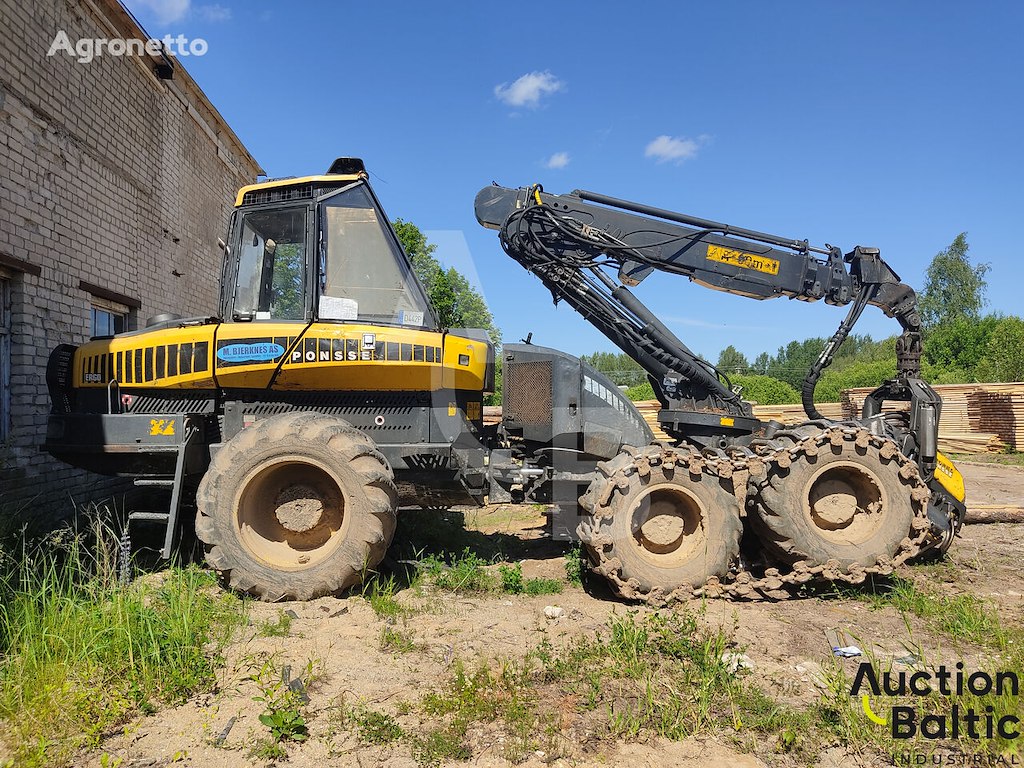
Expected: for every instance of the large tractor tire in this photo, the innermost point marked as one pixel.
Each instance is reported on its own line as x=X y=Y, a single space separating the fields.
x=658 y=525
x=295 y=507
x=845 y=502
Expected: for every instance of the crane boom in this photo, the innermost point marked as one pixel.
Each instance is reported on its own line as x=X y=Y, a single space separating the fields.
x=588 y=249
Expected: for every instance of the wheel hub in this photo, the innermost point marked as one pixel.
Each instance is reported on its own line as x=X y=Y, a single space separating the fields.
x=833 y=503
x=299 y=508
x=844 y=501
x=291 y=514
x=668 y=525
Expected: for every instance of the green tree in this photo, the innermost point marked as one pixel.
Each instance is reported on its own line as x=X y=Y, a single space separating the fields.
x=792 y=361
x=641 y=392
x=953 y=286
x=861 y=374
x=953 y=349
x=288 y=281
x=731 y=360
x=623 y=370
x=1004 y=354
x=457 y=303
x=764 y=390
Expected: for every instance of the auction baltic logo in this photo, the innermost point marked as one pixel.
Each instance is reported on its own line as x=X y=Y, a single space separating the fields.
x=89 y=48
x=960 y=722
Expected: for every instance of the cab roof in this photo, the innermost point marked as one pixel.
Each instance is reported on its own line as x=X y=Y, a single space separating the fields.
x=343 y=170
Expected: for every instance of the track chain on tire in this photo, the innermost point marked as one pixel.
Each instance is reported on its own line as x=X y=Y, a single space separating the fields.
x=747 y=469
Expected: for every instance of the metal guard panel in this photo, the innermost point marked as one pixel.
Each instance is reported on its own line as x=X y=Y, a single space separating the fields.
x=167 y=357
x=707 y=423
x=119 y=432
x=123 y=445
x=949 y=477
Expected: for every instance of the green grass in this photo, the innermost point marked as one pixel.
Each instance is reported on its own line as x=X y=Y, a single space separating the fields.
x=513 y=583
x=83 y=654
x=438 y=745
x=961 y=617
x=469 y=573
x=379 y=592
x=396 y=640
x=969 y=623
x=465 y=573
x=575 y=565
x=375 y=727
x=482 y=696
x=663 y=675
x=280 y=627
x=284 y=699
x=541 y=586
x=658 y=675
x=1010 y=458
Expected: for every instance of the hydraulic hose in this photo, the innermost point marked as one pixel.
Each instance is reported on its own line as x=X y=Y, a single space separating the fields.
x=831 y=347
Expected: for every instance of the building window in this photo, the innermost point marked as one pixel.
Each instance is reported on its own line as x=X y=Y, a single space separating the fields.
x=108 y=320
x=5 y=357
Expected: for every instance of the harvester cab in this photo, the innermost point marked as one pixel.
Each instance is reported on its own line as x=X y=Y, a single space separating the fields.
x=358 y=271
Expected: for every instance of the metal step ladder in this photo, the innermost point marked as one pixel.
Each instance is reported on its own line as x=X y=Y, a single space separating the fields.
x=175 y=483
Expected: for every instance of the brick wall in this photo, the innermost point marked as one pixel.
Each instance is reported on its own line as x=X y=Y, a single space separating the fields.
x=111 y=177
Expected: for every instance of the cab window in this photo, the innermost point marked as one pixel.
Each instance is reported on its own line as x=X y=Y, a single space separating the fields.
x=365 y=276
x=272 y=265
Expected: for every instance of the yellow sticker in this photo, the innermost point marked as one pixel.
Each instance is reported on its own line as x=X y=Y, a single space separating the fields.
x=452 y=409
x=744 y=260
x=727 y=421
x=161 y=427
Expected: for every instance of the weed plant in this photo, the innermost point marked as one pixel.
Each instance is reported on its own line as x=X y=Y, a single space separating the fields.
x=81 y=654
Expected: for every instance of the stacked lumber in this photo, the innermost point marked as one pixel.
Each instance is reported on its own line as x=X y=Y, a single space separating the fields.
x=971 y=422
x=492 y=414
x=999 y=408
x=791 y=414
x=649 y=410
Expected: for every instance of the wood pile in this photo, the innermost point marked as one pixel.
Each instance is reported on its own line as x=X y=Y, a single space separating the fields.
x=999 y=408
x=976 y=418
x=649 y=410
x=790 y=414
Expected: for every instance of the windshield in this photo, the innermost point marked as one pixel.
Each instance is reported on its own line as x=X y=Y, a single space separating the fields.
x=272 y=265
x=364 y=273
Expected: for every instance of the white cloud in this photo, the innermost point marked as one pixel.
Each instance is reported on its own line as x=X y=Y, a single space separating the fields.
x=557 y=160
x=214 y=13
x=675 y=149
x=528 y=90
x=165 y=11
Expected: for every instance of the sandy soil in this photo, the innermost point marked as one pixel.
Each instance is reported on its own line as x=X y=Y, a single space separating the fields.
x=787 y=641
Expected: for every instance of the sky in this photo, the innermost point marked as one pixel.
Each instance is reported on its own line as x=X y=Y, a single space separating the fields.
x=892 y=125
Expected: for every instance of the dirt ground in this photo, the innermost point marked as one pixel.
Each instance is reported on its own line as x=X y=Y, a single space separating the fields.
x=787 y=641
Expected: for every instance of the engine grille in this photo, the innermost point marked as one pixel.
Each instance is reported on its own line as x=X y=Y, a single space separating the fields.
x=527 y=393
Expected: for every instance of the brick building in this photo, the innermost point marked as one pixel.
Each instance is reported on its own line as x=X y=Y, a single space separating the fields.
x=115 y=184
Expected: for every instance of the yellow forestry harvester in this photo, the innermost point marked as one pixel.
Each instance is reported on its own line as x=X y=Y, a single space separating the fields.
x=324 y=394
